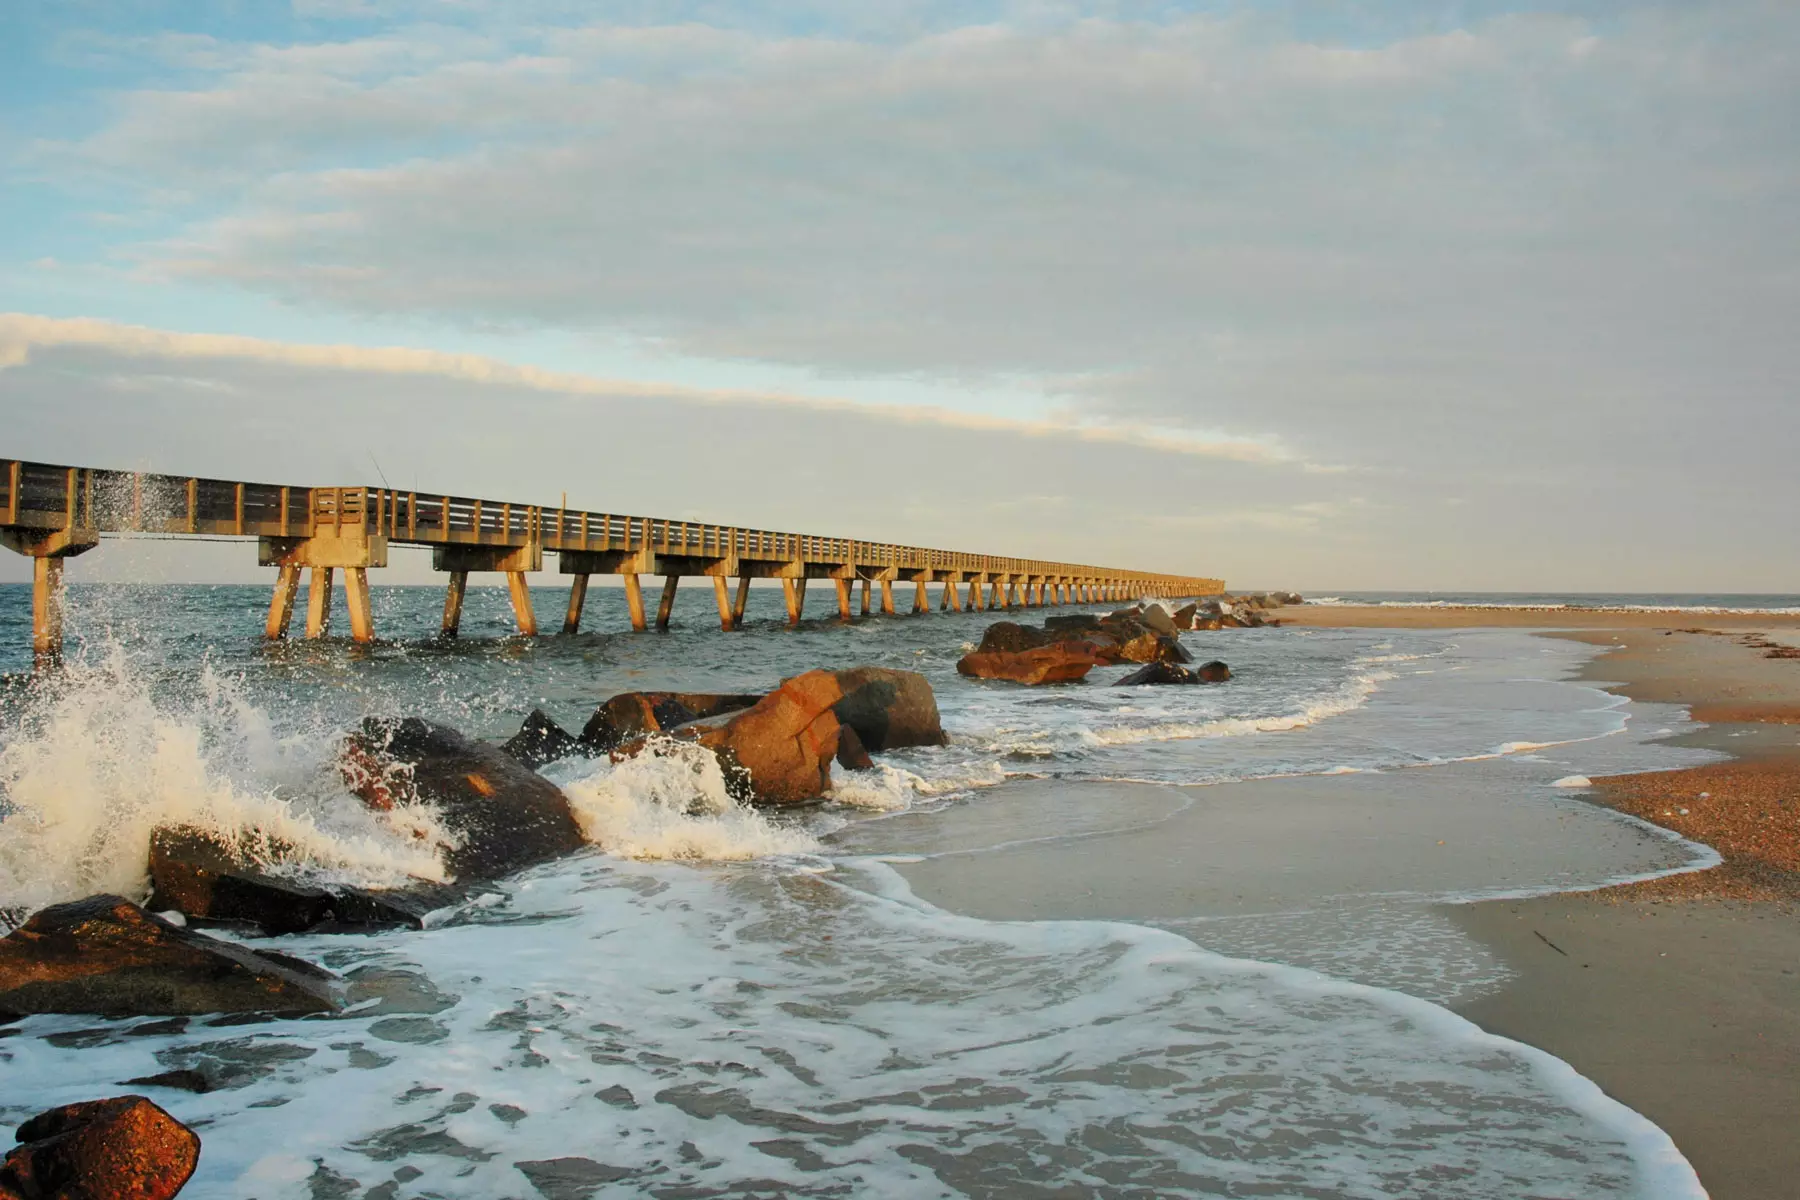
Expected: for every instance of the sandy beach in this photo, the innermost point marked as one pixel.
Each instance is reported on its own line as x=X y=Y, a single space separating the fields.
x=1679 y=996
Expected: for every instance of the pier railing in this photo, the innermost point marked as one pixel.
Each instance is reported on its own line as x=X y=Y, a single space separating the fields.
x=51 y=511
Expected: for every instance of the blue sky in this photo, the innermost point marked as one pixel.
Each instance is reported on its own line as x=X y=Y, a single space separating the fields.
x=1358 y=295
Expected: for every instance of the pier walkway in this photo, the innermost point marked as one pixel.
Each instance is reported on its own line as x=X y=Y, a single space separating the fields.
x=53 y=512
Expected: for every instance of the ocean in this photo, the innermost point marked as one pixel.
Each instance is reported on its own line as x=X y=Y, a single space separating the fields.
x=714 y=1001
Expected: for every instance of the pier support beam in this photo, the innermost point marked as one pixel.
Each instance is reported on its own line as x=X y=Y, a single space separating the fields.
x=512 y=561
x=281 y=604
x=634 y=601
x=867 y=588
x=975 y=595
x=951 y=595
x=921 y=601
x=794 y=592
x=665 y=607
x=843 y=598
x=722 y=599
x=453 y=603
x=887 y=596
x=740 y=602
x=47 y=550
x=318 y=602
x=578 y=586
x=356 y=597
x=520 y=593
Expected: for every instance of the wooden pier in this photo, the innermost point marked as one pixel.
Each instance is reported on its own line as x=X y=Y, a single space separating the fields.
x=51 y=512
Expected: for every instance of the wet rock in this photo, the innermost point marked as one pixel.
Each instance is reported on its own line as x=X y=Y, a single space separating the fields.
x=852 y=755
x=123 y=1148
x=106 y=955
x=1010 y=637
x=1166 y=672
x=1064 y=662
x=778 y=751
x=632 y=715
x=1184 y=616
x=889 y=709
x=541 y=740
x=505 y=816
x=1072 y=623
x=1157 y=619
x=210 y=877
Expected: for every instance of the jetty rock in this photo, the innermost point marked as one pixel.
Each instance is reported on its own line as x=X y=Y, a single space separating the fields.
x=210 y=876
x=778 y=751
x=1061 y=662
x=889 y=709
x=541 y=740
x=629 y=716
x=122 y=1148
x=505 y=815
x=1165 y=672
x=1184 y=616
x=105 y=955
x=1010 y=637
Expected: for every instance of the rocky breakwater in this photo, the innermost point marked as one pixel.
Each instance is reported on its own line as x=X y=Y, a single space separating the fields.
x=121 y=1148
x=1234 y=612
x=1065 y=648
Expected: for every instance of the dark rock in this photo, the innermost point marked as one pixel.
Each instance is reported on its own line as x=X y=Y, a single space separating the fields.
x=208 y=877
x=889 y=709
x=632 y=715
x=1077 y=623
x=541 y=740
x=1166 y=672
x=123 y=1148
x=106 y=955
x=185 y=1079
x=1009 y=637
x=505 y=815
x=852 y=755
x=1064 y=662
x=1184 y=616
x=779 y=750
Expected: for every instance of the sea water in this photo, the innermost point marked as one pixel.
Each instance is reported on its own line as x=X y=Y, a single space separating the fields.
x=713 y=1001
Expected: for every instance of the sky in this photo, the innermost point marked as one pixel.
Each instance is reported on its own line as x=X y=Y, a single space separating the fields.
x=1329 y=295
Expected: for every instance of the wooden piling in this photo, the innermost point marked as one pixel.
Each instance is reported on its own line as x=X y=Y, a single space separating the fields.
x=356 y=599
x=318 y=602
x=794 y=592
x=843 y=598
x=722 y=597
x=740 y=602
x=578 y=586
x=921 y=601
x=281 y=604
x=665 y=607
x=975 y=595
x=453 y=603
x=634 y=601
x=46 y=608
x=867 y=588
x=887 y=597
x=520 y=592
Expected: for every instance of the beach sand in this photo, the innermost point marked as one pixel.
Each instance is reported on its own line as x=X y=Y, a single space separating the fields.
x=1679 y=996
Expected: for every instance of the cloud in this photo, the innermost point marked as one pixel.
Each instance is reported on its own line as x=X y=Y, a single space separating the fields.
x=21 y=332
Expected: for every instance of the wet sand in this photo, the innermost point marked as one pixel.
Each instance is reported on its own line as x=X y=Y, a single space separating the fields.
x=1369 y=616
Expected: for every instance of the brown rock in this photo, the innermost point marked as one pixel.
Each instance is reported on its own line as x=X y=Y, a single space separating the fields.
x=1064 y=662
x=541 y=740
x=505 y=815
x=1009 y=637
x=632 y=715
x=889 y=709
x=123 y=1148
x=106 y=955
x=779 y=750
x=1184 y=616
x=852 y=755
x=209 y=877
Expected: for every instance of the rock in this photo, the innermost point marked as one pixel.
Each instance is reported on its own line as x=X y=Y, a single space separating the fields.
x=889 y=709
x=123 y=1148
x=1157 y=618
x=106 y=955
x=779 y=750
x=1184 y=616
x=1213 y=671
x=505 y=815
x=1147 y=646
x=632 y=715
x=1076 y=623
x=852 y=755
x=1207 y=624
x=1064 y=662
x=1167 y=672
x=541 y=740
x=209 y=877
x=1009 y=637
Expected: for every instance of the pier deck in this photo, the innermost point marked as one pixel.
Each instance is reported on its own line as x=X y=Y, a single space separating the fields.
x=52 y=512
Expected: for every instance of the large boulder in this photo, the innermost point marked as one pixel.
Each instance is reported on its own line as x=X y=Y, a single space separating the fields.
x=1158 y=619
x=123 y=1148
x=212 y=877
x=504 y=815
x=778 y=751
x=1009 y=637
x=1184 y=616
x=1167 y=672
x=1072 y=624
x=630 y=716
x=1063 y=662
x=541 y=740
x=889 y=709
x=106 y=955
